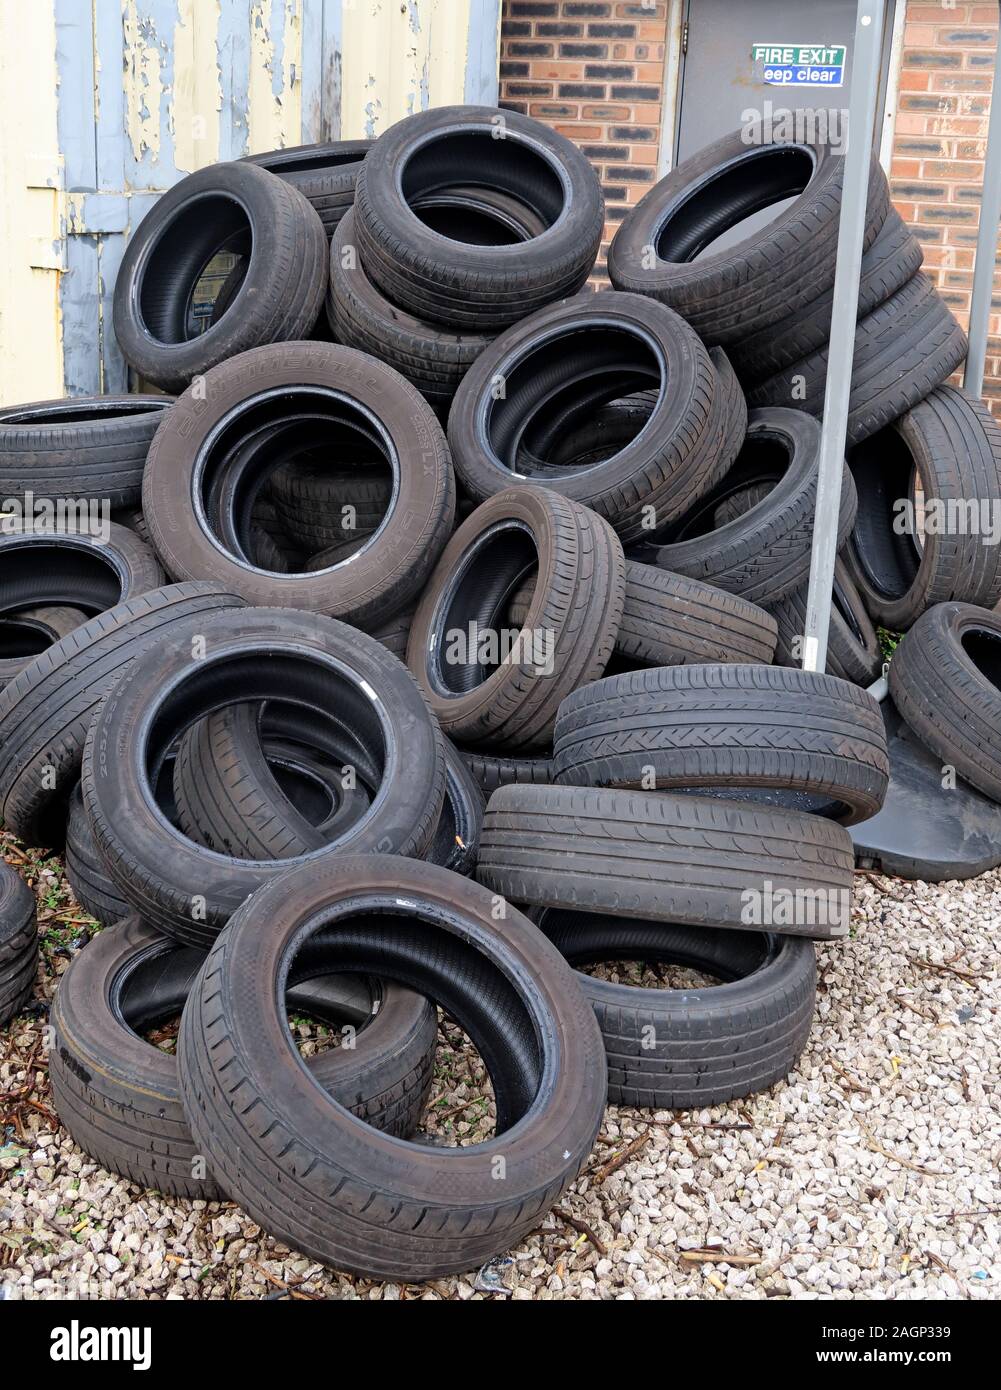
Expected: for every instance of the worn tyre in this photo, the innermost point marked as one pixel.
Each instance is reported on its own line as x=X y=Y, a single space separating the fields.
x=18 y=943
x=189 y=891
x=571 y=621
x=325 y=174
x=43 y=567
x=26 y=632
x=86 y=871
x=788 y=737
x=355 y=394
x=710 y=1043
x=491 y=770
x=119 y=1095
x=461 y=283
x=903 y=350
x=853 y=649
x=432 y=357
x=47 y=710
x=90 y=447
x=764 y=552
x=893 y=258
x=745 y=288
x=232 y=207
x=694 y=860
x=945 y=680
x=312 y=1173
x=560 y=368
x=949 y=447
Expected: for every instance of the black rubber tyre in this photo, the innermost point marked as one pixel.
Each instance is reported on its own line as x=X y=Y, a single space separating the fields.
x=694 y=860
x=271 y=781
x=782 y=268
x=460 y=283
x=46 y=711
x=432 y=357
x=853 y=650
x=233 y=207
x=903 y=350
x=574 y=613
x=457 y=837
x=945 y=680
x=310 y=1172
x=892 y=259
x=325 y=174
x=27 y=631
x=394 y=562
x=188 y=891
x=90 y=447
x=560 y=369
x=133 y=520
x=310 y=502
x=85 y=870
x=669 y=620
x=491 y=771
x=763 y=553
x=949 y=446
x=688 y=1049
x=795 y=737
x=18 y=943
x=66 y=569
x=119 y=1095
x=394 y=632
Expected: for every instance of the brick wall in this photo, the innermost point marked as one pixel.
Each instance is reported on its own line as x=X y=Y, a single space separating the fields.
x=940 y=137
x=594 y=71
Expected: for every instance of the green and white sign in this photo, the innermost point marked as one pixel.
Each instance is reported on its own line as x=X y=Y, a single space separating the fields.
x=801 y=64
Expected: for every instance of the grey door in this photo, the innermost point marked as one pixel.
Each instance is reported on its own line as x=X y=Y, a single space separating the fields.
x=764 y=55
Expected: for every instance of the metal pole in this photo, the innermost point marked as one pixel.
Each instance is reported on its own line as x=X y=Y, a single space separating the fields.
x=987 y=240
x=851 y=235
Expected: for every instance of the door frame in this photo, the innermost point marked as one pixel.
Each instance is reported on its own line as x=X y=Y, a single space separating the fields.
x=674 y=82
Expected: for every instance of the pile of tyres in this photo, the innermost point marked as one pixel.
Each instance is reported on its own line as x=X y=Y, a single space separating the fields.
x=445 y=645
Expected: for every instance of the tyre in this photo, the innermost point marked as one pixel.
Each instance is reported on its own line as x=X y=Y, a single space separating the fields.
x=119 y=1094
x=27 y=631
x=432 y=357
x=945 y=680
x=787 y=737
x=18 y=943
x=91 y=447
x=42 y=567
x=730 y=294
x=693 y=1047
x=457 y=838
x=461 y=282
x=763 y=553
x=321 y=1180
x=394 y=632
x=235 y=208
x=325 y=174
x=508 y=698
x=359 y=401
x=319 y=509
x=669 y=620
x=271 y=781
x=903 y=350
x=560 y=369
x=491 y=771
x=690 y=860
x=948 y=448
x=185 y=890
x=853 y=650
x=46 y=711
x=85 y=870
x=892 y=259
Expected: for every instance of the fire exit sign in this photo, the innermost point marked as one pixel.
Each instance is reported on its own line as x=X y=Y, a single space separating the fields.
x=801 y=64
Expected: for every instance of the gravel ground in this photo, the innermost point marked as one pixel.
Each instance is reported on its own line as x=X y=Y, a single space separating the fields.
x=871 y=1173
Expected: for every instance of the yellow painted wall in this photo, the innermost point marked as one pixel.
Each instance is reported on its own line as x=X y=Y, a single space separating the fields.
x=30 y=176
x=399 y=57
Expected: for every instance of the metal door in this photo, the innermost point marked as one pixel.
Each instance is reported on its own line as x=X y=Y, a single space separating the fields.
x=767 y=57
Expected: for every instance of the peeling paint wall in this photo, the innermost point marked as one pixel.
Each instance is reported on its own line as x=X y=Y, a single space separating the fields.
x=125 y=97
x=30 y=178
